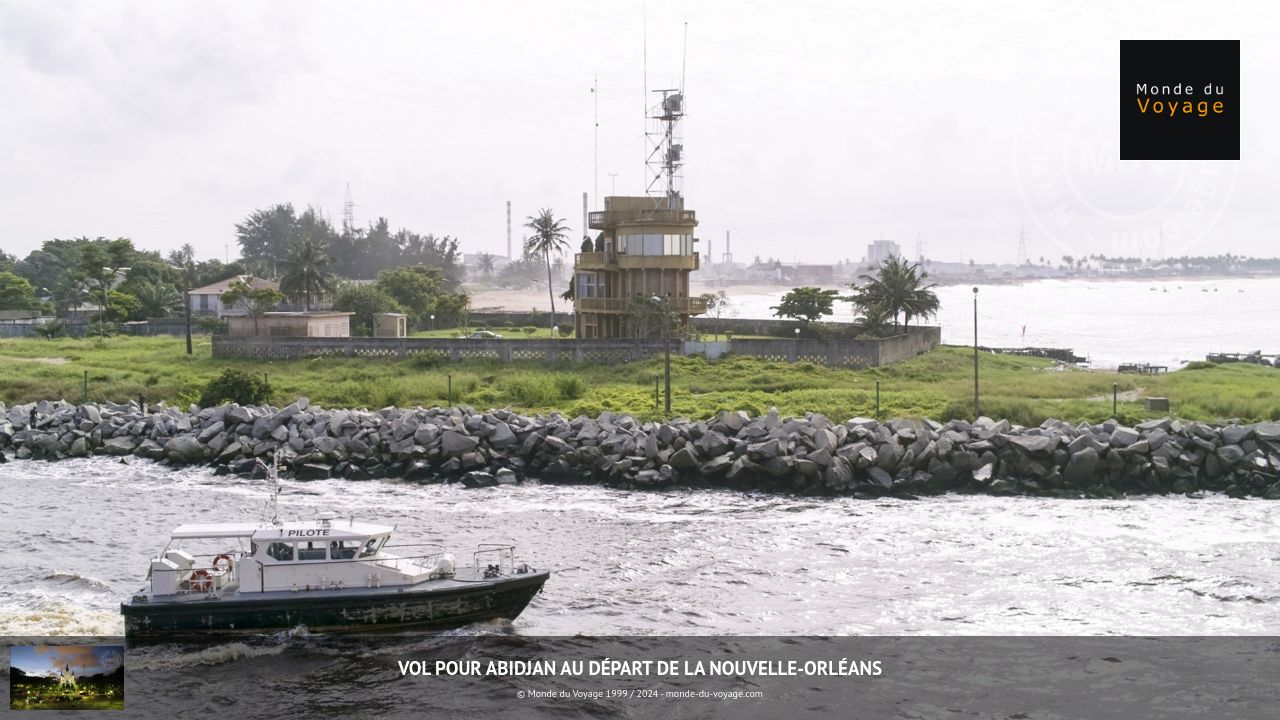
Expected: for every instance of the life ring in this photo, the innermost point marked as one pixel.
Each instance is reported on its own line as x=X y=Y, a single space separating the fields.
x=230 y=562
x=201 y=581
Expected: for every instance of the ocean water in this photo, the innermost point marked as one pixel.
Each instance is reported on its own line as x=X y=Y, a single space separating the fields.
x=1162 y=322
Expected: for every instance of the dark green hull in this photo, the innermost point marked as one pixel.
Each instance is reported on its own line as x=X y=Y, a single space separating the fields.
x=441 y=604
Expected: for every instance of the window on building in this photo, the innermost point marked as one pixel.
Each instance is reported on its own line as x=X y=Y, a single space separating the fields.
x=204 y=302
x=587 y=285
x=656 y=244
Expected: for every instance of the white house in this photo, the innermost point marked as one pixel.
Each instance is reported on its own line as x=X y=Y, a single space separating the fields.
x=207 y=300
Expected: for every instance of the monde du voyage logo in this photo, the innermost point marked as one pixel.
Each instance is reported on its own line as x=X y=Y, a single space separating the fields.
x=1179 y=99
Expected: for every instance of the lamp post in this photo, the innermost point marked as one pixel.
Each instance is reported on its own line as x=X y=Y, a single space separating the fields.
x=666 y=354
x=796 y=347
x=433 y=323
x=976 y=413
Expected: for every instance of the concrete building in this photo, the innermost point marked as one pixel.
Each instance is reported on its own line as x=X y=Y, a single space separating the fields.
x=880 y=250
x=207 y=300
x=394 y=325
x=646 y=251
x=292 y=324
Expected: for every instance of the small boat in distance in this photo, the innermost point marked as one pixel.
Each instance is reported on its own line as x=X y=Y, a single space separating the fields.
x=327 y=574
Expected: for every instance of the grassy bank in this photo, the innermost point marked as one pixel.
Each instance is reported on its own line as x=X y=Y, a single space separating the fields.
x=937 y=385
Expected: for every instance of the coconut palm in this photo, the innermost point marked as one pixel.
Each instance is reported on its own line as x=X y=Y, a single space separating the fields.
x=158 y=300
x=306 y=273
x=895 y=290
x=549 y=235
x=486 y=264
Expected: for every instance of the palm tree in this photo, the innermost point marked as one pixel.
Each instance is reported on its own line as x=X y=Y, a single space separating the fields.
x=182 y=257
x=159 y=300
x=896 y=289
x=549 y=235
x=306 y=273
x=486 y=264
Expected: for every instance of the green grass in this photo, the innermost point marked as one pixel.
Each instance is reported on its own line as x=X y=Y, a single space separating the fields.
x=937 y=385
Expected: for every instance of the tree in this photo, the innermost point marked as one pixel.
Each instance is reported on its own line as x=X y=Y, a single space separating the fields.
x=806 y=304
x=549 y=236
x=156 y=300
x=897 y=289
x=264 y=236
x=649 y=315
x=306 y=273
x=183 y=256
x=717 y=306
x=365 y=301
x=122 y=306
x=486 y=264
x=7 y=261
x=16 y=293
x=255 y=302
x=420 y=291
x=100 y=264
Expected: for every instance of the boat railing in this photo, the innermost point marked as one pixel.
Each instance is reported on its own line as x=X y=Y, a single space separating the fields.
x=498 y=552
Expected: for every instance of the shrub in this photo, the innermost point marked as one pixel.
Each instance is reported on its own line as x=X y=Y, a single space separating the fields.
x=528 y=330
x=50 y=330
x=570 y=387
x=1200 y=365
x=236 y=386
x=101 y=328
x=211 y=325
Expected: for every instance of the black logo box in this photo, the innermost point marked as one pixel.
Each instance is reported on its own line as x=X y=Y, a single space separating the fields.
x=1192 y=65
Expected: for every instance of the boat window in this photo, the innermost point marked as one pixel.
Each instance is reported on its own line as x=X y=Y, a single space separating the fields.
x=280 y=551
x=343 y=549
x=311 y=552
x=371 y=547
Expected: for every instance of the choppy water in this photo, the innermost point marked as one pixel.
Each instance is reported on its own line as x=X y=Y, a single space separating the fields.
x=1163 y=322
x=78 y=535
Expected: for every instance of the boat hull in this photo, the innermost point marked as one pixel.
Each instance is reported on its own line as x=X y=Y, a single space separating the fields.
x=430 y=606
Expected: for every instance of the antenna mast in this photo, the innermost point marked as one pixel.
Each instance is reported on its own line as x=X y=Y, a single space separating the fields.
x=1022 y=246
x=348 y=213
x=595 y=96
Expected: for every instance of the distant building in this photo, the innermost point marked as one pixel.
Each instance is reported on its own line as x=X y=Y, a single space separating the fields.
x=809 y=274
x=207 y=300
x=769 y=270
x=880 y=250
x=647 y=252
x=292 y=324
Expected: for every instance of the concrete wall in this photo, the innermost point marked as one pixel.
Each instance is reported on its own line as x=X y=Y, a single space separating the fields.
x=836 y=353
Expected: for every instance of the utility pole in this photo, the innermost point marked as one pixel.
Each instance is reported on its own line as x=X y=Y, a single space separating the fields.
x=976 y=412
x=664 y=304
x=187 y=308
x=509 y=257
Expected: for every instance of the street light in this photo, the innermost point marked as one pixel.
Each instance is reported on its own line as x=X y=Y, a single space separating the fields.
x=433 y=323
x=796 y=350
x=666 y=354
x=976 y=413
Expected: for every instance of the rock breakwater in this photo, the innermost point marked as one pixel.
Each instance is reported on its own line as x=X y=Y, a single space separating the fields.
x=810 y=454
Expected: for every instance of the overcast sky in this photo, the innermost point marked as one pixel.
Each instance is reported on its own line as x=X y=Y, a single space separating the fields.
x=813 y=127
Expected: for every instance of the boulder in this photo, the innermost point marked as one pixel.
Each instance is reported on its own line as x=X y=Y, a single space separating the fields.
x=184 y=449
x=454 y=443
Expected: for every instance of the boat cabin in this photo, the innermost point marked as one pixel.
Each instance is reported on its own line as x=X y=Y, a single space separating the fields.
x=325 y=553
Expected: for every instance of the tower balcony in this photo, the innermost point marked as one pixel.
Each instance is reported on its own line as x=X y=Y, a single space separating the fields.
x=615 y=261
x=680 y=305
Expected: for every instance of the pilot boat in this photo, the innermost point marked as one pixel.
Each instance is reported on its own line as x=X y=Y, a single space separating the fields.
x=327 y=574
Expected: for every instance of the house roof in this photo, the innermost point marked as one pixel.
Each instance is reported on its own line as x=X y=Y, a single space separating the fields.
x=222 y=286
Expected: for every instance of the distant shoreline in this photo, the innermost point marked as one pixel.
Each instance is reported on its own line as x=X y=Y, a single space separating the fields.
x=498 y=300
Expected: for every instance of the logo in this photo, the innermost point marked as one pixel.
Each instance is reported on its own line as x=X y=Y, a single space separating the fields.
x=1179 y=99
